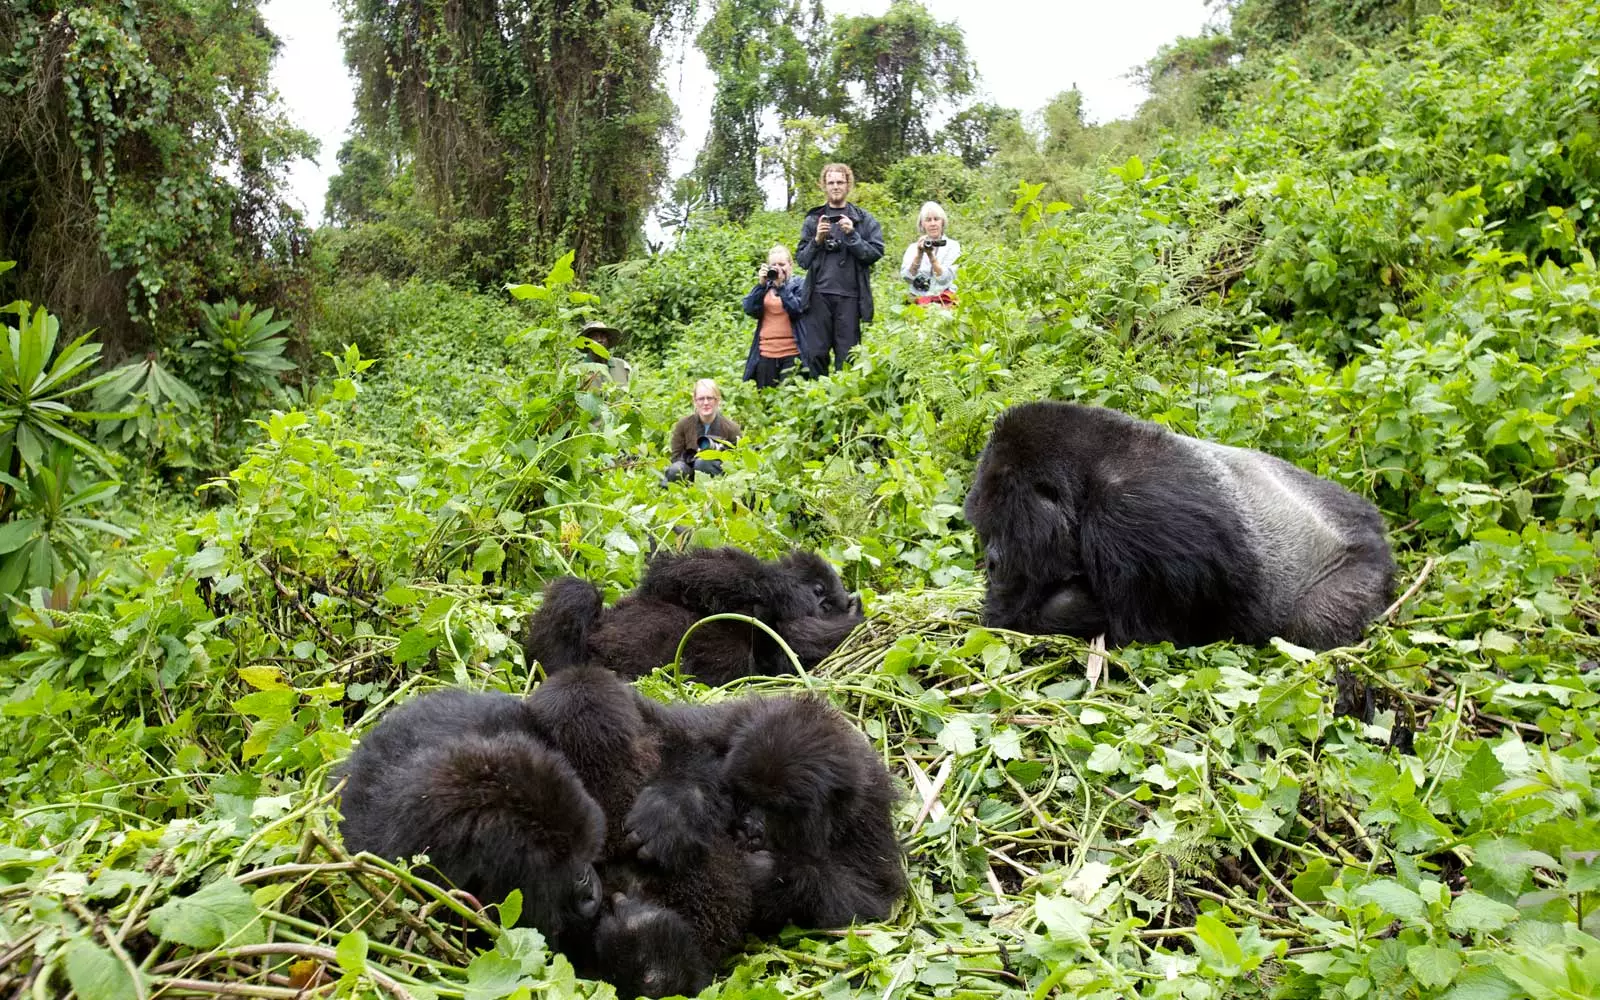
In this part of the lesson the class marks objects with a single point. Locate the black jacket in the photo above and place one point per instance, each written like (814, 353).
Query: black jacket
(865, 245)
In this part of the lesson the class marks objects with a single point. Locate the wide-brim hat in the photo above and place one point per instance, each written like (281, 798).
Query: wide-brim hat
(597, 330)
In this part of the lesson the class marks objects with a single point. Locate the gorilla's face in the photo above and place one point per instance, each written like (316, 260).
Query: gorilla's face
(648, 950)
(827, 594)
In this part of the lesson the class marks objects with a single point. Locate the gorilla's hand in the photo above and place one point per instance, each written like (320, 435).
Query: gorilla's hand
(671, 825)
(750, 832)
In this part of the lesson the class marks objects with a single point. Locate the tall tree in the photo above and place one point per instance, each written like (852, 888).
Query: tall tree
(765, 54)
(906, 64)
(142, 160)
(544, 119)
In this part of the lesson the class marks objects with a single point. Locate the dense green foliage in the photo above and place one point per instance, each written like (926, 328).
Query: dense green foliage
(143, 153)
(532, 126)
(1382, 271)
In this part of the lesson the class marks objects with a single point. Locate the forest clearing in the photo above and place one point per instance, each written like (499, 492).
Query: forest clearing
(268, 481)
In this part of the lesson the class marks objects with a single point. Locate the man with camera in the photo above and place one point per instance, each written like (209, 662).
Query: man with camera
(929, 264)
(838, 244)
(780, 336)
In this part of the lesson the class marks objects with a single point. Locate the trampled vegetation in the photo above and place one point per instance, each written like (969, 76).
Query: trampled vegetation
(1377, 263)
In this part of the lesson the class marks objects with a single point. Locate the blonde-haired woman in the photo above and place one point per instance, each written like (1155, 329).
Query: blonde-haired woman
(929, 265)
(779, 344)
(705, 429)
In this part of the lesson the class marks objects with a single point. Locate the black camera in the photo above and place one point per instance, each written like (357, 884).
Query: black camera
(832, 242)
(921, 282)
(930, 244)
(772, 274)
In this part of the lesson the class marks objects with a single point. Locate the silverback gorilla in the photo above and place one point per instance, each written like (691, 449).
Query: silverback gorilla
(1094, 522)
(800, 596)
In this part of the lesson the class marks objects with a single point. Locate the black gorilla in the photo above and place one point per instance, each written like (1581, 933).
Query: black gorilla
(461, 777)
(1093, 522)
(808, 799)
(722, 819)
(809, 789)
(800, 596)
(671, 916)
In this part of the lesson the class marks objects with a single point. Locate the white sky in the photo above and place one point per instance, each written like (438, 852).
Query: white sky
(1026, 51)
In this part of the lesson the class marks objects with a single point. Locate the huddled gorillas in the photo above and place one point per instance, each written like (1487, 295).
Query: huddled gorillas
(800, 596)
(703, 822)
(1094, 522)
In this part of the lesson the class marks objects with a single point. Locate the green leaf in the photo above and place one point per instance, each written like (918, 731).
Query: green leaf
(561, 273)
(220, 913)
(524, 292)
(1473, 912)
(1105, 759)
(958, 737)
(511, 909)
(414, 645)
(1434, 967)
(1395, 900)
(95, 972)
(492, 976)
(1217, 945)
(15, 534)
(352, 952)
(1064, 918)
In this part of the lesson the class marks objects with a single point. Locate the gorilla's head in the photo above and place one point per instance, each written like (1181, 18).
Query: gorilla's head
(823, 593)
(794, 775)
(1027, 491)
(526, 823)
(644, 949)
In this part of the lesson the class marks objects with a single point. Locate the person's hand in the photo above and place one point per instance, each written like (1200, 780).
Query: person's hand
(845, 225)
(823, 227)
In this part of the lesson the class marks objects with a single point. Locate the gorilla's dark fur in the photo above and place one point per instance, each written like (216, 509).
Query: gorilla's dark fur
(1095, 522)
(673, 914)
(460, 777)
(800, 596)
(722, 819)
(809, 789)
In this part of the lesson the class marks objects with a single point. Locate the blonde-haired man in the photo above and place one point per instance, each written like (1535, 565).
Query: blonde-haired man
(838, 244)
(705, 429)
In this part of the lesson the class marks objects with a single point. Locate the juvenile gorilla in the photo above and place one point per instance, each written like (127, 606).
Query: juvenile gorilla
(808, 798)
(1093, 522)
(662, 929)
(800, 596)
(460, 776)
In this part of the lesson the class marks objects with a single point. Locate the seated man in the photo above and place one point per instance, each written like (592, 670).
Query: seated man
(705, 429)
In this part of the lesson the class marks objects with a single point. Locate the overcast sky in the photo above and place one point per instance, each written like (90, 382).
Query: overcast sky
(1026, 51)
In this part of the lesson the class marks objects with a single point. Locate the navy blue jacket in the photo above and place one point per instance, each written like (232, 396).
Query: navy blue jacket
(791, 293)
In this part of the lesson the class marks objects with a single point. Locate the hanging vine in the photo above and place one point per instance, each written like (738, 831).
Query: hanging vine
(544, 120)
(143, 152)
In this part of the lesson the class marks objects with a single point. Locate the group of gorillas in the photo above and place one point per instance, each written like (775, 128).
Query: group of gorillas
(648, 840)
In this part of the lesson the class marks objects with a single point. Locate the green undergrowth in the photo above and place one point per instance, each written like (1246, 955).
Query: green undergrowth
(1415, 816)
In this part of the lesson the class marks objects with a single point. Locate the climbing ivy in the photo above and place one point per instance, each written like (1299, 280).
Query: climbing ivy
(143, 153)
(543, 121)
